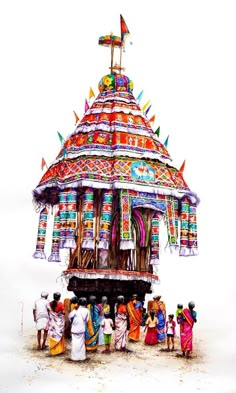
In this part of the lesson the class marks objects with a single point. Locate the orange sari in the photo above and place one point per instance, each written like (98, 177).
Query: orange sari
(135, 319)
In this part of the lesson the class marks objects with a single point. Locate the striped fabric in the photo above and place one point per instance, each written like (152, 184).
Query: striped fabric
(41, 238)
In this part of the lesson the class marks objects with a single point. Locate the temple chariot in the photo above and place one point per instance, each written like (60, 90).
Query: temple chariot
(108, 189)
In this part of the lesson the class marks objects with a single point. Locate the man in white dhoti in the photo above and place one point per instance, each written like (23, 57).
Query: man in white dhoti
(78, 319)
(41, 317)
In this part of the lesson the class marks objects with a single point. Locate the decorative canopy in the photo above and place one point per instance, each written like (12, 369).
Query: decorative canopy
(113, 147)
(112, 182)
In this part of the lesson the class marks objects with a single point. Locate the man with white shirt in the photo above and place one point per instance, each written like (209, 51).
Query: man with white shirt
(41, 317)
(78, 319)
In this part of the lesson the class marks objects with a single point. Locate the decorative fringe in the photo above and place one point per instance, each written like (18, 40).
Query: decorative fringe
(103, 244)
(183, 252)
(155, 261)
(127, 245)
(111, 275)
(54, 257)
(88, 244)
(132, 186)
(193, 252)
(69, 243)
(155, 271)
(39, 255)
(173, 249)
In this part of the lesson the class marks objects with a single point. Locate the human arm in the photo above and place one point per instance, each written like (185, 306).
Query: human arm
(34, 314)
(71, 316)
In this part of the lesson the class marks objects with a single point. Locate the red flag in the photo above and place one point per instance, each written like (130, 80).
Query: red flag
(76, 117)
(181, 169)
(123, 28)
(43, 164)
(152, 119)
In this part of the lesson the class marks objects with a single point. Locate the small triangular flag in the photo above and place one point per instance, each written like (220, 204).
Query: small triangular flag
(91, 93)
(157, 131)
(139, 96)
(76, 117)
(145, 106)
(148, 109)
(152, 119)
(86, 106)
(62, 140)
(43, 164)
(181, 169)
(166, 141)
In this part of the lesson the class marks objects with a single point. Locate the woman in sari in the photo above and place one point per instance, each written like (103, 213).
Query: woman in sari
(104, 309)
(188, 317)
(121, 316)
(160, 308)
(135, 311)
(93, 325)
(56, 326)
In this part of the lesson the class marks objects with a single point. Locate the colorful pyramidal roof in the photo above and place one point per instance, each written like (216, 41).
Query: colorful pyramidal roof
(113, 172)
(113, 147)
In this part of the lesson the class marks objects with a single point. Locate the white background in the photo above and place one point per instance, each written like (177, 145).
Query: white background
(183, 57)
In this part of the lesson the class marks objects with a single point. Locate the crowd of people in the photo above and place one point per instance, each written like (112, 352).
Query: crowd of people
(90, 324)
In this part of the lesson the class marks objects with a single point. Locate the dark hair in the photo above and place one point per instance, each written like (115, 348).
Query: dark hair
(56, 297)
(152, 314)
(82, 301)
(120, 299)
(106, 315)
(180, 305)
(191, 305)
(171, 316)
(92, 299)
(74, 300)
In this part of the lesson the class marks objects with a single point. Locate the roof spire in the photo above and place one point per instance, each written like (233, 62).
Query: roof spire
(113, 42)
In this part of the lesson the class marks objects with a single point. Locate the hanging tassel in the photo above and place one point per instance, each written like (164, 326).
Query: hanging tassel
(41, 238)
(62, 217)
(88, 220)
(55, 250)
(71, 218)
(126, 241)
(184, 227)
(171, 224)
(192, 234)
(155, 239)
(105, 221)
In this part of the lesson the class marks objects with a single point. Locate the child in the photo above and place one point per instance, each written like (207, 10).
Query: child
(107, 325)
(179, 310)
(151, 327)
(170, 331)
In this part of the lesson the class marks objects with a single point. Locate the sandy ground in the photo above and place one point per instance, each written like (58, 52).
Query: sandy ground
(24, 369)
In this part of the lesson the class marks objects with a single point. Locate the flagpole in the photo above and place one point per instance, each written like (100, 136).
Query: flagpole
(112, 55)
(121, 47)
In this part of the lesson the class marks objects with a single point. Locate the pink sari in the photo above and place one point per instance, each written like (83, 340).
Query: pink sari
(186, 331)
